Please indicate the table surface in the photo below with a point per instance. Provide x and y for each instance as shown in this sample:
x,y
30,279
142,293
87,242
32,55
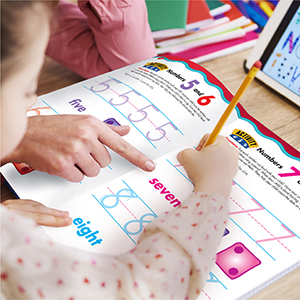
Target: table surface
x,y
274,111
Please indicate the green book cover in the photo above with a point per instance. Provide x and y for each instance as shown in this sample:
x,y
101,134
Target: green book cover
x,y
167,14
217,7
213,4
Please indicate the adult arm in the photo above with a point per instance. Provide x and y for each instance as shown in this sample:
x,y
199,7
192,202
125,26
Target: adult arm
x,y
74,146
98,36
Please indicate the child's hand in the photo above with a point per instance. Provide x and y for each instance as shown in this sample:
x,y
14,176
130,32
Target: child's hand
x,y
41,214
213,168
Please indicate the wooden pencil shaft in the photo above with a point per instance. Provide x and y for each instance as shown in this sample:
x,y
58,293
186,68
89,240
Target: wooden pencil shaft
x,y
231,106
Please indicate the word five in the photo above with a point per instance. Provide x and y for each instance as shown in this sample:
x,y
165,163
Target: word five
x,y
75,104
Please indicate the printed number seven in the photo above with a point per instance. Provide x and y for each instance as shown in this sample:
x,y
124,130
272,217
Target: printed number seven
x,y
295,173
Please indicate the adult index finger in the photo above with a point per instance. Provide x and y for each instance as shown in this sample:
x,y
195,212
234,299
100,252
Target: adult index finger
x,y
116,143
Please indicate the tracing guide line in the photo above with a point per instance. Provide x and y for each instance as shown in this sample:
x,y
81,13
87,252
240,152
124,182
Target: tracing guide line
x,y
126,212
164,101
273,238
268,228
130,97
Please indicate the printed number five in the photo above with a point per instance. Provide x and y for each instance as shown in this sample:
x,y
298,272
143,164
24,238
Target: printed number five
x,y
160,128
143,111
191,84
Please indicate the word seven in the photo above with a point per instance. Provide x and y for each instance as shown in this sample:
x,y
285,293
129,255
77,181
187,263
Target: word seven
x,y
164,191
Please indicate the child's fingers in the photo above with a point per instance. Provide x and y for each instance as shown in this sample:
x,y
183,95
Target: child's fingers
x,y
202,142
41,214
185,156
33,206
190,154
46,219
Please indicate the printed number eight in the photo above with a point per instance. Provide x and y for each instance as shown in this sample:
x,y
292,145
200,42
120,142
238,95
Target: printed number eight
x,y
127,194
140,222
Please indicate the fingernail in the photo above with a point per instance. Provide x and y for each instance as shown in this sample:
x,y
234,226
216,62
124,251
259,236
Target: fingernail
x,y
68,220
178,155
150,165
65,213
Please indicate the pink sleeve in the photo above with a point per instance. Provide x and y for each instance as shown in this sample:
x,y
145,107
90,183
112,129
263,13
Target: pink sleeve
x,y
172,259
82,43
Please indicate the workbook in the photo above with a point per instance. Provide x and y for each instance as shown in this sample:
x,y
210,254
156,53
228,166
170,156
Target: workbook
x,y
217,7
167,18
198,15
203,53
169,104
229,31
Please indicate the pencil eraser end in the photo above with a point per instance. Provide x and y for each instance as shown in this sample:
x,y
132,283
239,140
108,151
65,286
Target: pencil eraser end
x,y
257,64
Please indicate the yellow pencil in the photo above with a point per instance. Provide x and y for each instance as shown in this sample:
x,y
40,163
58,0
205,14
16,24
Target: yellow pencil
x,y
266,8
251,74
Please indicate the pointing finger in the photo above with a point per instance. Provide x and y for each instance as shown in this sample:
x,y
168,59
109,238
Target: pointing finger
x,y
112,140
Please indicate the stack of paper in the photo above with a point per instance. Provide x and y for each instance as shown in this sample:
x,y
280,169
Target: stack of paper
x,y
201,30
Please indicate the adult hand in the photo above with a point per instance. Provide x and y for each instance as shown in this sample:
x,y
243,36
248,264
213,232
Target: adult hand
x,y
213,168
41,214
71,146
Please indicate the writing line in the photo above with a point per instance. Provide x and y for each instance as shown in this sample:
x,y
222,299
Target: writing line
x,y
121,114
113,218
149,102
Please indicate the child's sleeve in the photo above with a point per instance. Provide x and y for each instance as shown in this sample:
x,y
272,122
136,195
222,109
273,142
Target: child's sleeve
x,y
171,260
178,249
88,46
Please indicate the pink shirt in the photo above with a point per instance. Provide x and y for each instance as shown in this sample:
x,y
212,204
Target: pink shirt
x,y
82,43
172,259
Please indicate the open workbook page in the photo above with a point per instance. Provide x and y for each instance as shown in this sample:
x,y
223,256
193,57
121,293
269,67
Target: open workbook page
x,y
170,103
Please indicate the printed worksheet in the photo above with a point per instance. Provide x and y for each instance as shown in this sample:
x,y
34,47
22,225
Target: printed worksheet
x,y
167,104
170,104
261,241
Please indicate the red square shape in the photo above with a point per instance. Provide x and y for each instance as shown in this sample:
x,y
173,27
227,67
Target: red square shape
x,y
23,168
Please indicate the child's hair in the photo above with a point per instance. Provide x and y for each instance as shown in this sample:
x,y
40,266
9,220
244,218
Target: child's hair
x,y
19,24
